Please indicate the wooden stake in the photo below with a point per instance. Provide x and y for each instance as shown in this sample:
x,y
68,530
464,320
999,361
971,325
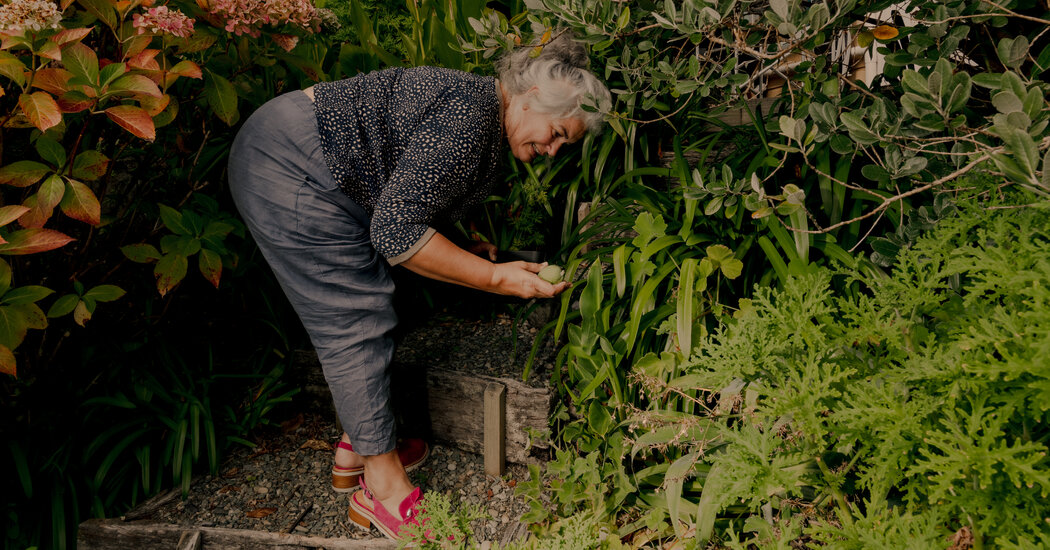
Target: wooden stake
x,y
495,429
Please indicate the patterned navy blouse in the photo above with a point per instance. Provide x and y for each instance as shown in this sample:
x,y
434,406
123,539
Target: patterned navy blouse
x,y
414,147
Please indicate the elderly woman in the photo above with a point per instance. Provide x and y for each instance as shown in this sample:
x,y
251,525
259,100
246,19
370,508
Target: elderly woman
x,y
342,181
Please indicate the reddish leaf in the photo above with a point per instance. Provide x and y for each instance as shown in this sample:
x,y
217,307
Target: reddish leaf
x,y
11,213
7,362
170,270
50,192
66,36
80,203
211,266
141,253
187,68
135,84
154,105
144,60
50,50
137,45
23,173
74,101
35,216
41,110
90,165
33,240
53,80
261,512
133,119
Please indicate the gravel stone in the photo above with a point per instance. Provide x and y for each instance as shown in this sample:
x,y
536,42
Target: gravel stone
x,y
264,477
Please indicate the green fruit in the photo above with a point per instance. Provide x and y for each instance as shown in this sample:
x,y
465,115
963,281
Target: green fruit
x,y
552,274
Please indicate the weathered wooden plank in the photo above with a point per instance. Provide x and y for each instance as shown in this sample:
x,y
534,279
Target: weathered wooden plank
x,y
456,406
495,428
113,534
190,540
451,405
147,507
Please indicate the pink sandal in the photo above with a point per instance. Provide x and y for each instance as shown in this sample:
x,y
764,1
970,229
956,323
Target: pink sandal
x,y
412,452
366,511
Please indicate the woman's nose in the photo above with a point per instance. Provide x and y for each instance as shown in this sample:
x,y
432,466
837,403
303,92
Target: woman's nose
x,y
552,149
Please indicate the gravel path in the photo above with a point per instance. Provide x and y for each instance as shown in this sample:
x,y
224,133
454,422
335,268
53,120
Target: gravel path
x,y
266,488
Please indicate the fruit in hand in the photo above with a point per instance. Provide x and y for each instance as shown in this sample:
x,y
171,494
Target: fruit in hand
x,y
552,274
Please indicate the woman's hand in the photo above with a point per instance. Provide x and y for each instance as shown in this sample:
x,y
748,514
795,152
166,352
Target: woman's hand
x,y
520,279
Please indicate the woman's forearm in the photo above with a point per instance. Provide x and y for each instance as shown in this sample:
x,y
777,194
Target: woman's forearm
x,y
442,260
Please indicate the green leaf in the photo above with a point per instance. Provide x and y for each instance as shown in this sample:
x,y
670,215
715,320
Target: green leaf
x,y
135,84
101,9
684,305
211,266
718,253
50,192
82,62
1007,102
222,97
90,165
63,306
111,72
23,173
12,327
874,172
104,293
5,277
12,68
173,220
598,417
170,270
141,253
732,268
1012,51
26,295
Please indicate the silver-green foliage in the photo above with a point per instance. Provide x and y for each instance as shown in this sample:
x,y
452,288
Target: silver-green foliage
x,y
917,405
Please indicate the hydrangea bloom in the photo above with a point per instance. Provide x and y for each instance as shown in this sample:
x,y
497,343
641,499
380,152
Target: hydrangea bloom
x,y
29,15
247,16
161,20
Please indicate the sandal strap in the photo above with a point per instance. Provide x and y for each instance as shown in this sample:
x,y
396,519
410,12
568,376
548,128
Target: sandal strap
x,y
345,445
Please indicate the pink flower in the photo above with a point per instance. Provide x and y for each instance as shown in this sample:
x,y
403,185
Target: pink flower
x,y
29,15
248,16
161,20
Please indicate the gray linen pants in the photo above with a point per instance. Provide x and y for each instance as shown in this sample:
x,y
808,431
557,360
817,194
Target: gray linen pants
x,y
316,240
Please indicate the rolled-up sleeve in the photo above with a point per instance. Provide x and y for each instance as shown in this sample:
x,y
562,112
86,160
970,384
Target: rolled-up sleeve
x,y
440,162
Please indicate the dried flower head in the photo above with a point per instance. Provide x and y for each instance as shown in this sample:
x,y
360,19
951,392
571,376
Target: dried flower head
x,y
29,15
161,20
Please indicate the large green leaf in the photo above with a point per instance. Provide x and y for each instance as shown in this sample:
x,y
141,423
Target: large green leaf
x,y
222,97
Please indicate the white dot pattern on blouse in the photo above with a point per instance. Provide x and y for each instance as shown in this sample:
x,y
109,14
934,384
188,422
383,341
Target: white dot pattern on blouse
x,y
415,147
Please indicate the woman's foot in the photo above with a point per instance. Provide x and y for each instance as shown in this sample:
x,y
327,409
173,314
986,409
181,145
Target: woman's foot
x,y
348,467
387,498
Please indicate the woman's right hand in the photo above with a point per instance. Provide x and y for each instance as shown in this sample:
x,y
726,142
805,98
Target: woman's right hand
x,y
520,279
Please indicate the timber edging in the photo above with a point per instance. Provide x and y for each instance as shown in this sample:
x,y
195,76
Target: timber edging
x,y
114,534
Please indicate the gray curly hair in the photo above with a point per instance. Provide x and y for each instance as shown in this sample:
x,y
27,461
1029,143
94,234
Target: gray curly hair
x,y
562,78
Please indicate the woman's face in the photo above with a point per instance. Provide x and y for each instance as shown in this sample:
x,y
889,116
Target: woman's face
x,y
531,134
